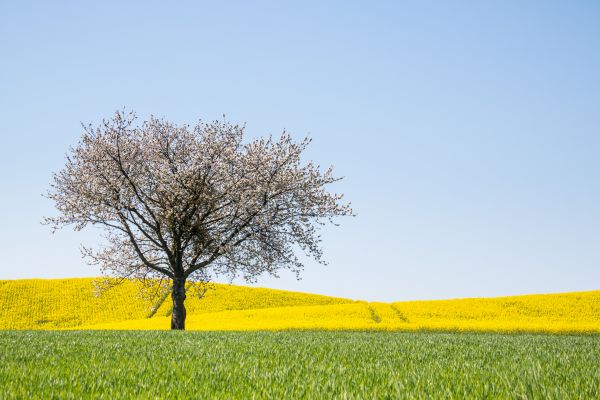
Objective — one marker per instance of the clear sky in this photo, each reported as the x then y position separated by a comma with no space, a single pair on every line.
468,133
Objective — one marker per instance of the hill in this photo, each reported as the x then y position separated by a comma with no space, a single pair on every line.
72,304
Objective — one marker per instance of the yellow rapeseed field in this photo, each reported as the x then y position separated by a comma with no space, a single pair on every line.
71,304
64,303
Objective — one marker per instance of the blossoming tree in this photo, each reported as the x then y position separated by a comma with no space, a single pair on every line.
188,203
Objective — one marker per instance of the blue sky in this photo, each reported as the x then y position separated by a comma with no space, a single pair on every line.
468,133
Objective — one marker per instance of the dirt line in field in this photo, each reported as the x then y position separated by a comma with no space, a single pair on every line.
399,313
374,314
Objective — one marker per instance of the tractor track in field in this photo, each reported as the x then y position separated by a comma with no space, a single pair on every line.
399,313
157,304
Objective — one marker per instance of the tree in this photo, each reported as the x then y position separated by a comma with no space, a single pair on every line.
188,203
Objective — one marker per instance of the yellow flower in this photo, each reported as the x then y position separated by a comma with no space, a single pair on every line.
71,304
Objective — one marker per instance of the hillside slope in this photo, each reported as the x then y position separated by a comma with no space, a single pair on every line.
71,304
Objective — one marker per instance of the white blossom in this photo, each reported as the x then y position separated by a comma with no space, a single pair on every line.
192,202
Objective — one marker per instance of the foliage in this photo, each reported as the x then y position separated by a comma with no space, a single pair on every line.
276,365
189,203
184,200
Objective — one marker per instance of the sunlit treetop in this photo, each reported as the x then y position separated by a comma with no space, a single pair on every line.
193,202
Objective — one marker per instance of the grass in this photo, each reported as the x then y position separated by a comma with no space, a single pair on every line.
312,364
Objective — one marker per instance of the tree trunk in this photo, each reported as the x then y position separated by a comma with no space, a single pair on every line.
178,296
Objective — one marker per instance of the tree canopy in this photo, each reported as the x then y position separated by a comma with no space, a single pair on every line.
193,202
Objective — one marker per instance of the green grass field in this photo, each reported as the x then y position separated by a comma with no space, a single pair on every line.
295,364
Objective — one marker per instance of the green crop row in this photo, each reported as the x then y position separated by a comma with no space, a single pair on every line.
295,364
